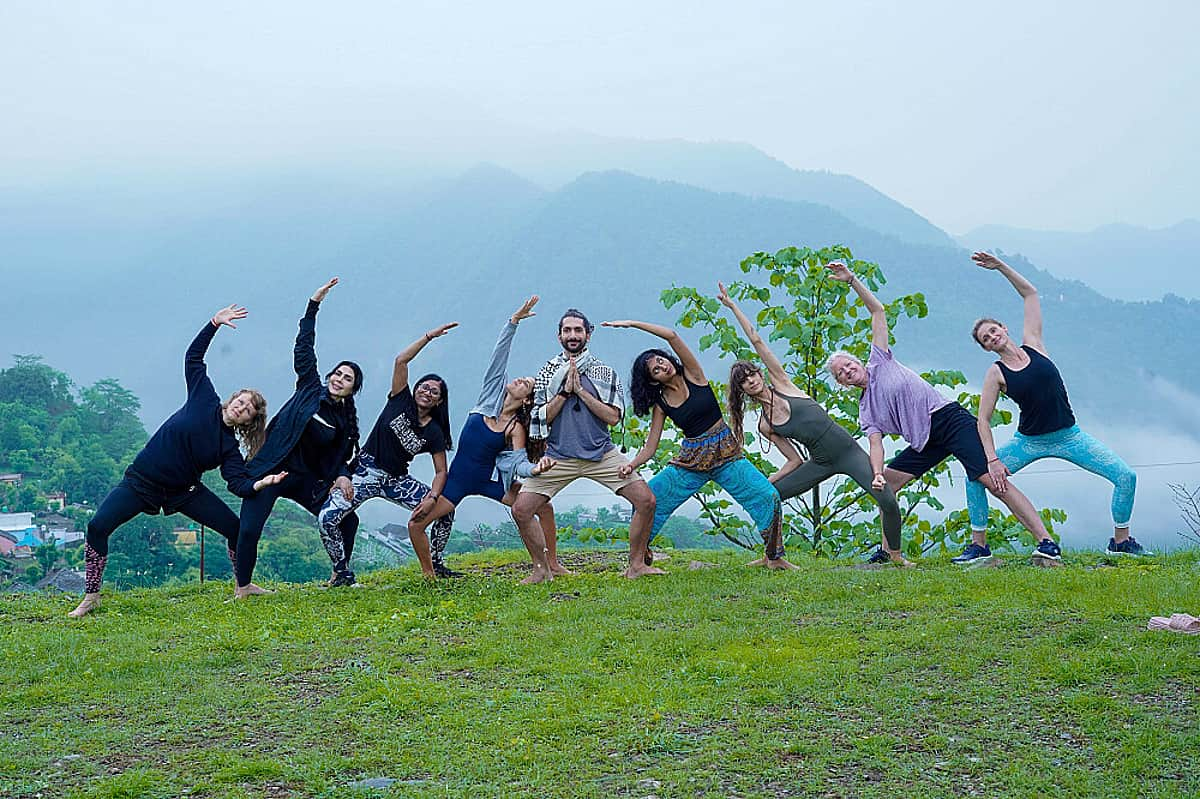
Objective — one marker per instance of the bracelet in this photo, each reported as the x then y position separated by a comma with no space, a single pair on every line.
994,460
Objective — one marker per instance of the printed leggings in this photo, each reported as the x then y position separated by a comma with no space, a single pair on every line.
1070,444
370,482
674,485
855,464
123,503
303,489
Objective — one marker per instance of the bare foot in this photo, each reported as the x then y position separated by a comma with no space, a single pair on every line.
900,560
90,602
781,564
250,589
760,562
539,575
636,570
560,570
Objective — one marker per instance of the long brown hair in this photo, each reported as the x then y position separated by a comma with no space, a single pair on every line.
535,448
736,396
253,434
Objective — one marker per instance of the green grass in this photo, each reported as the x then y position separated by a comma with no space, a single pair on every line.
829,681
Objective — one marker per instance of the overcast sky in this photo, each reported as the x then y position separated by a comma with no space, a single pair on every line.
1063,115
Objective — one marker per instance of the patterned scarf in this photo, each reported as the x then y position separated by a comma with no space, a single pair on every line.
549,381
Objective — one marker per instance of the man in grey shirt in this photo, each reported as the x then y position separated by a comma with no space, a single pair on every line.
576,398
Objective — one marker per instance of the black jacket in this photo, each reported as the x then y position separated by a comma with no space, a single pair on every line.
285,429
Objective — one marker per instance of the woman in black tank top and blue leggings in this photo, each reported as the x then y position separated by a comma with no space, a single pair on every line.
788,416
1046,427
674,387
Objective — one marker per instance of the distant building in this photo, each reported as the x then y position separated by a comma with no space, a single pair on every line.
66,580
186,535
12,478
56,500
8,543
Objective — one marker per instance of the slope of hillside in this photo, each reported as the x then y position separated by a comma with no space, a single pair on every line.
713,681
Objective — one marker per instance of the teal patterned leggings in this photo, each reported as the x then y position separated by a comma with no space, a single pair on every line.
1070,444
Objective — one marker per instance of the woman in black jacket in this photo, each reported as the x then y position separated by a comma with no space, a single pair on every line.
165,476
312,438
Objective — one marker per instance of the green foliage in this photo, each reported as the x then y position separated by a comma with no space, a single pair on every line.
59,443
807,317
717,682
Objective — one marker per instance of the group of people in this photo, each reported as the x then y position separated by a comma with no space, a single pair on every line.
528,438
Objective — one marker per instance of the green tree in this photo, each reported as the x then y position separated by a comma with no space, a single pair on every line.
809,317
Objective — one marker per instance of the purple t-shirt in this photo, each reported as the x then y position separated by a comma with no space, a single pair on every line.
897,400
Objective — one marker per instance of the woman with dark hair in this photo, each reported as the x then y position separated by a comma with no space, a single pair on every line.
313,438
411,422
895,400
788,416
165,476
674,387
492,455
1046,428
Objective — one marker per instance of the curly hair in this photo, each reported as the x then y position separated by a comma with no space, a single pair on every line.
736,396
351,408
253,434
643,390
441,411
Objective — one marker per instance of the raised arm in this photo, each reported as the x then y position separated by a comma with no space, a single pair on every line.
1032,329
494,378
691,367
400,367
304,353
879,324
774,368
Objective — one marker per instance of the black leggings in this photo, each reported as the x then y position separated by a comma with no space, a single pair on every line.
123,503
306,491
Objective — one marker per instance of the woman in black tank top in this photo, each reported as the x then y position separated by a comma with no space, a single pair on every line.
1046,428
788,416
673,386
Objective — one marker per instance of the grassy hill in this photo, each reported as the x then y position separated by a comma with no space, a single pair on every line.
722,681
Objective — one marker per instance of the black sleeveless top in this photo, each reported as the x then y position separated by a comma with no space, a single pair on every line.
696,414
1039,392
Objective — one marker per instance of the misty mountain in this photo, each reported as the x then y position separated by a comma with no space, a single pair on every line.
124,299
720,167
1119,261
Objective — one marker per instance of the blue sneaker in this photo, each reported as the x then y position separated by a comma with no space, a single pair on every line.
971,553
1127,547
1048,549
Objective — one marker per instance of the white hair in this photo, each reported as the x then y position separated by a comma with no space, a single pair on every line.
839,354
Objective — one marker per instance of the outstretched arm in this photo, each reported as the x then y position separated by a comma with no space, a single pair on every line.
691,367
494,378
400,367
195,373
789,451
987,405
879,324
653,436
1032,332
304,353
774,368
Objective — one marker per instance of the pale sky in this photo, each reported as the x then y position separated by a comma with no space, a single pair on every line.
1063,115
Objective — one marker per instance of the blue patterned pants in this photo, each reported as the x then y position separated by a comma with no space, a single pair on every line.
673,485
1070,444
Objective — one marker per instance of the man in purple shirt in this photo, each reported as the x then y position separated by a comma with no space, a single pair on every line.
897,401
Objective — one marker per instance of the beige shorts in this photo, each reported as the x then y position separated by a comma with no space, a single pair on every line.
568,470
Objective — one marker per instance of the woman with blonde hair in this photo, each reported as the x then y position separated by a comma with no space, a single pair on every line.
165,476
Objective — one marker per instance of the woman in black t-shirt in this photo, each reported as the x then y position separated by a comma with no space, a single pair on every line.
412,422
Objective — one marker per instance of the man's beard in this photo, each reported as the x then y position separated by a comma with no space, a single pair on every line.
574,347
